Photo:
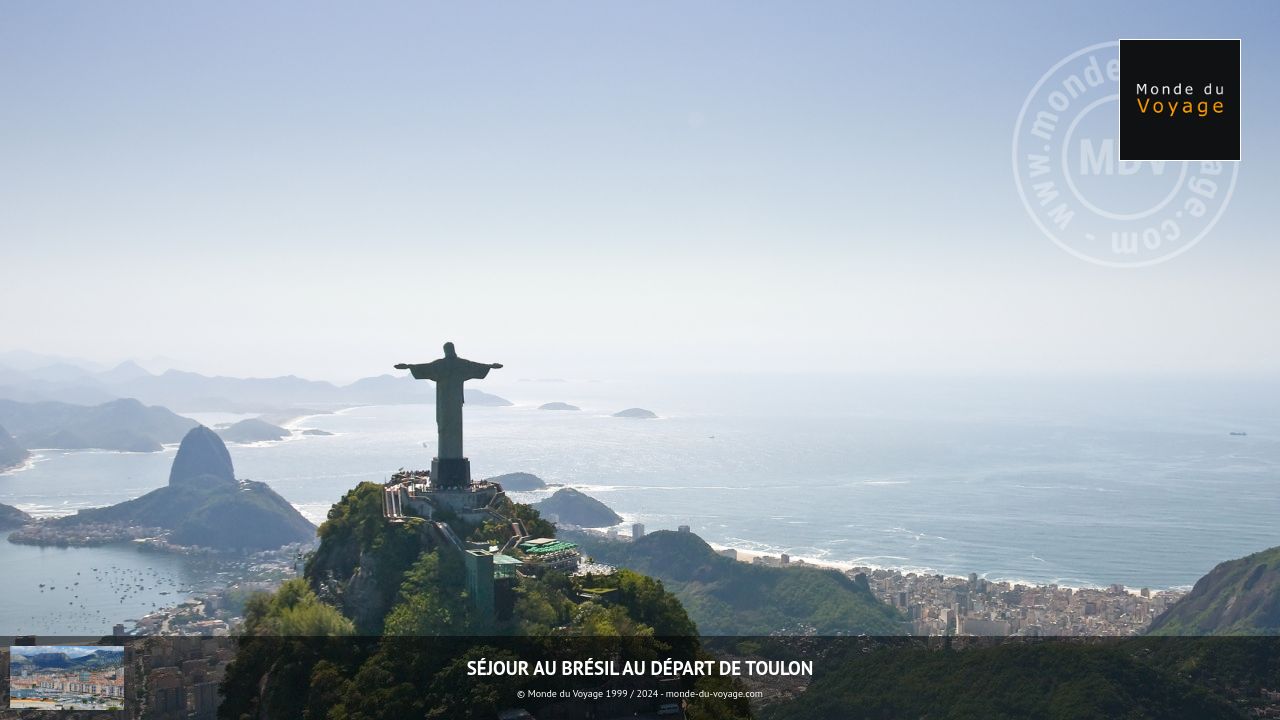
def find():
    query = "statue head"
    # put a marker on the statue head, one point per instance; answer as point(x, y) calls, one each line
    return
point(449, 351)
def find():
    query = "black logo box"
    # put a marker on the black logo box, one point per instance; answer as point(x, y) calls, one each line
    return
point(1210, 132)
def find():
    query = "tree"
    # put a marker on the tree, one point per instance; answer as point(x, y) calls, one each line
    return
point(455, 694)
point(294, 611)
point(432, 599)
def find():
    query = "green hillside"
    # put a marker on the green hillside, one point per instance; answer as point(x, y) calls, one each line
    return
point(728, 597)
point(578, 508)
point(382, 627)
point(1238, 597)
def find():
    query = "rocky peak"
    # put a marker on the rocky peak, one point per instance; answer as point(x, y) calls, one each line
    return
point(202, 459)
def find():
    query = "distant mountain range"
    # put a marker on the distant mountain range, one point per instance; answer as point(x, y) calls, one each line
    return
point(193, 392)
point(115, 425)
point(73, 407)
point(203, 505)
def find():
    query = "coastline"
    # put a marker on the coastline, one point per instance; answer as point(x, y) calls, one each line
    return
point(292, 421)
point(312, 512)
point(747, 549)
point(749, 556)
point(936, 604)
point(27, 463)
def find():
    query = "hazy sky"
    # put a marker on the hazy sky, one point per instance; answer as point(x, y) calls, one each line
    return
point(326, 189)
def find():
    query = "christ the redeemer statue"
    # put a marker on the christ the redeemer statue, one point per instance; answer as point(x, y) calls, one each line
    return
point(450, 468)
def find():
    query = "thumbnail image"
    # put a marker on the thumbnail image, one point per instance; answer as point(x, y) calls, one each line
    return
point(66, 677)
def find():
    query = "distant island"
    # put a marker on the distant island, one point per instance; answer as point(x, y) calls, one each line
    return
point(639, 413)
point(519, 481)
point(11, 453)
point(11, 517)
point(558, 406)
point(203, 506)
point(317, 432)
point(253, 430)
point(124, 424)
point(577, 508)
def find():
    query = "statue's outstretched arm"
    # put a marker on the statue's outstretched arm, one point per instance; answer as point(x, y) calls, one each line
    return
point(402, 366)
point(495, 366)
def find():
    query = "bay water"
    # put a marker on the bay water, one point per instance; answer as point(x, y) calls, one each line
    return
point(1081, 481)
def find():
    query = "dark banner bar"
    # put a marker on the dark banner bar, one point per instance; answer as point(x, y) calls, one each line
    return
point(559, 678)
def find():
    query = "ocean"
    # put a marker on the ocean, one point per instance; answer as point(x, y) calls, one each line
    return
point(1083, 482)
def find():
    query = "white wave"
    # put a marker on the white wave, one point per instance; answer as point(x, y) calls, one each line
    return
point(27, 464)
point(40, 510)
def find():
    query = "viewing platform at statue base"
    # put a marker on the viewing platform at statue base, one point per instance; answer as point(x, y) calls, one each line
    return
point(412, 493)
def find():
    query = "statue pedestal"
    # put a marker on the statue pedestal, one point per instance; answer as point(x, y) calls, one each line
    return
point(450, 472)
